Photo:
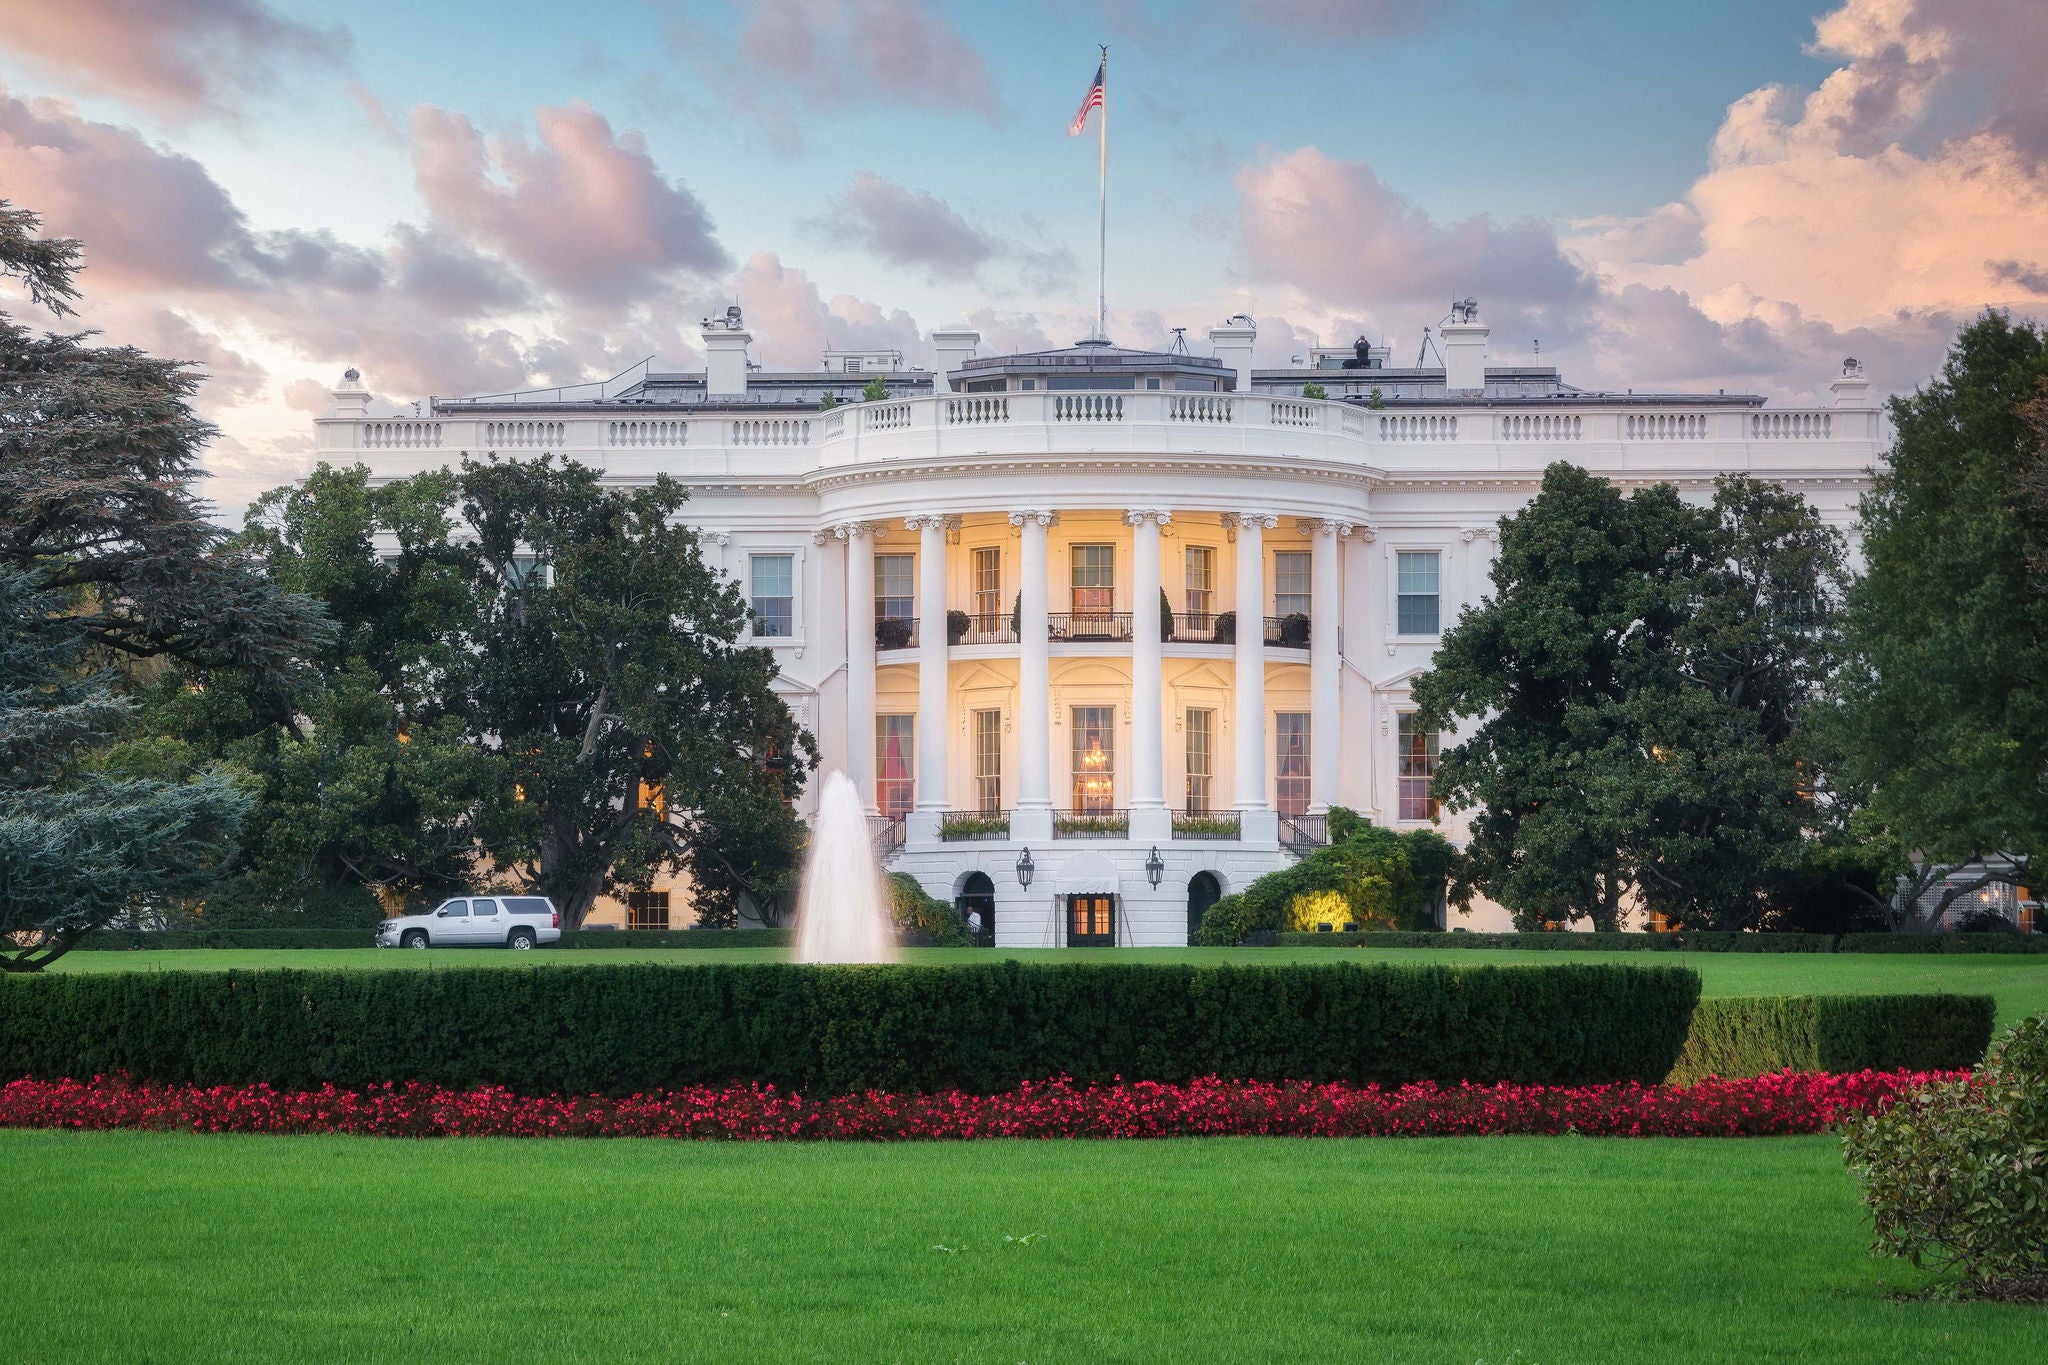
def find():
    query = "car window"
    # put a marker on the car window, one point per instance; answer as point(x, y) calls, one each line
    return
point(453, 910)
point(483, 907)
point(526, 905)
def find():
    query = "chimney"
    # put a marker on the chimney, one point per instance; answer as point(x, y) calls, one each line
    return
point(351, 398)
point(955, 346)
point(1464, 343)
point(725, 355)
point(1232, 341)
point(1852, 390)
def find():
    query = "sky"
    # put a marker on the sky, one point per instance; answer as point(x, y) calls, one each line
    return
point(474, 198)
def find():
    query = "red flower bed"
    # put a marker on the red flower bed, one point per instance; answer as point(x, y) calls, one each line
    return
point(1765, 1106)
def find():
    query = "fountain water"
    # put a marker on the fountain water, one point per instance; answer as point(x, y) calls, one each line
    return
point(842, 911)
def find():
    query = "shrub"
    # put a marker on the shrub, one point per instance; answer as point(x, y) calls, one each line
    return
point(124, 940)
point(1371, 876)
point(922, 917)
point(637, 1027)
point(957, 622)
point(1754, 1036)
point(1941, 943)
point(1571, 942)
point(677, 938)
point(1956, 1172)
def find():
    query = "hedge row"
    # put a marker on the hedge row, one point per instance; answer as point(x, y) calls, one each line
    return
point(1699, 942)
point(1734, 1036)
point(676, 938)
point(626, 1028)
point(121, 940)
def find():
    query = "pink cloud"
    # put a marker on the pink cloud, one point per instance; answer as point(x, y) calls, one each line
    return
point(178, 58)
point(793, 323)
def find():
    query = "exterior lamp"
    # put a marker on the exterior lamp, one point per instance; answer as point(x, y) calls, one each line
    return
point(1025, 867)
point(1155, 866)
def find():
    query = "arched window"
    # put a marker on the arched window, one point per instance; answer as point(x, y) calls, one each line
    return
point(1204, 890)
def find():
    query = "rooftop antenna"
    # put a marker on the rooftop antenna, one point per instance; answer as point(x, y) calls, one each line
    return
point(1180, 341)
point(1427, 346)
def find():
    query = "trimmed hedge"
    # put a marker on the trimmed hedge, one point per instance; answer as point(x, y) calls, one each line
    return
point(1734, 1036)
point(675, 938)
point(130, 940)
point(626, 1028)
point(1696, 942)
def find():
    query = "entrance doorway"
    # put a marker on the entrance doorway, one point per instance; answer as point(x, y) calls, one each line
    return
point(977, 905)
point(1091, 921)
point(1203, 891)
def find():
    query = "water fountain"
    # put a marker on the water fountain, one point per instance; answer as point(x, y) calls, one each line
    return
point(842, 911)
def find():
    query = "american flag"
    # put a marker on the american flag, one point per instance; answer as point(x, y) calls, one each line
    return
point(1093, 102)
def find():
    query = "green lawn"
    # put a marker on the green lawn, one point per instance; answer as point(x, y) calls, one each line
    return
point(2020, 982)
point(179, 1247)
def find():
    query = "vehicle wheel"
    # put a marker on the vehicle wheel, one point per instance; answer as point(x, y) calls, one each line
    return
point(521, 939)
point(413, 938)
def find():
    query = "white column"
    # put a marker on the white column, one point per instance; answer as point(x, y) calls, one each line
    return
point(1149, 821)
point(932, 692)
point(1325, 733)
point(1032, 819)
point(1250, 682)
point(860, 657)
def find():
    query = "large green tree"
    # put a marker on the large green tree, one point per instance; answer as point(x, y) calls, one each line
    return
point(110, 568)
point(1942, 699)
point(1638, 680)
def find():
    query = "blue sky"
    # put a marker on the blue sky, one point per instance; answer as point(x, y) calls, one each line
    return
point(458, 196)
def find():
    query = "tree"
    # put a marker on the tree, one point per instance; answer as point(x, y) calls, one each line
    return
point(109, 568)
point(1941, 716)
point(642, 735)
point(1314, 391)
point(874, 391)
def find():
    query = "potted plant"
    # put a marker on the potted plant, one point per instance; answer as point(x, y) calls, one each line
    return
point(1165, 616)
point(1294, 629)
point(957, 623)
point(892, 632)
point(1226, 628)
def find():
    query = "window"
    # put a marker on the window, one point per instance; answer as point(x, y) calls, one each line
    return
point(1094, 578)
point(1290, 762)
point(988, 589)
point(895, 763)
point(1201, 582)
point(652, 797)
point(483, 908)
point(1416, 577)
point(1094, 758)
point(895, 587)
point(771, 583)
point(1200, 728)
point(988, 761)
point(1416, 758)
point(1291, 583)
point(647, 909)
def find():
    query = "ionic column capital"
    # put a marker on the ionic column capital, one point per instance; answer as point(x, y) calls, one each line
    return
point(931, 521)
point(720, 538)
point(1248, 521)
point(1137, 516)
point(1473, 533)
point(1042, 517)
point(848, 530)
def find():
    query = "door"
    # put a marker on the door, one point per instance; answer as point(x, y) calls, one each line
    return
point(451, 923)
point(1203, 891)
point(977, 905)
point(486, 925)
point(1091, 921)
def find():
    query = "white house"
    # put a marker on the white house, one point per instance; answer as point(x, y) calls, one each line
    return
point(1101, 633)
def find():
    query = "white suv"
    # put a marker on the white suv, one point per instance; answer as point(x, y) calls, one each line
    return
point(476, 922)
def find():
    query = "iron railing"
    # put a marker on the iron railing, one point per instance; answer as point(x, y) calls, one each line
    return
point(1091, 824)
point(886, 832)
point(1208, 824)
point(1088, 625)
point(1303, 834)
point(960, 826)
point(896, 632)
point(1287, 632)
point(990, 628)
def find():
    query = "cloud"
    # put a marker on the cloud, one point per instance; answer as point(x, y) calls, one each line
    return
point(916, 229)
point(585, 211)
point(793, 324)
point(2028, 276)
point(181, 59)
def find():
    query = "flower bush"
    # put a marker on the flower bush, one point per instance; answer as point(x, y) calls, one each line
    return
point(1764, 1106)
point(1956, 1172)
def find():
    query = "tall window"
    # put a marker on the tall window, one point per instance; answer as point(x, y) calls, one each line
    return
point(647, 909)
point(988, 760)
point(1201, 581)
point(895, 763)
point(895, 587)
point(1417, 769)
point(988, 588)
point(1094, 758)
point(1291, 577)
point(771, 584)
point(1200, 728)
point(1290, 762)
point(1094, 579)
point(1415, 586)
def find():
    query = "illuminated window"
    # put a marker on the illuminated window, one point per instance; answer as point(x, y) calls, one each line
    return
point(1291, 580)
point(1094, 758)
point(1416, 758)
point(1290, 762)
point(988, 760)
point(1417, 575)
point(1091, 921)
point(1201, 582)
point(895, 587)
point(653, 797)
point(988, 589)
point(647, 909)
point(771, 586)
point(1094, 581)
point(1201, 735)
point(895, 763)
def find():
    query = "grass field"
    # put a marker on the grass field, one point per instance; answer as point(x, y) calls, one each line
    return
point(2020, 982)
point(177, 1247)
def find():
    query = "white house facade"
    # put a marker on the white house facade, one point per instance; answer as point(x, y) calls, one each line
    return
point(1101, 634)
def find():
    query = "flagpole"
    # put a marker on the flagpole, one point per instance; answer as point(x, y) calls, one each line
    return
point(1102, 211)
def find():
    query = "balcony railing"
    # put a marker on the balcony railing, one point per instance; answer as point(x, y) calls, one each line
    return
point(1202, 628)
point(1091, 824)
point(963, 826)
point(1289, 631)
point(1088, 625)
point(991, 628)
point(1303, 834)
point(886, 832)
point(1207, 824)
point(896, 632)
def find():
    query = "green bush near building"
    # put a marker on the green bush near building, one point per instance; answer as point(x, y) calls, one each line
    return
point(1366, 876)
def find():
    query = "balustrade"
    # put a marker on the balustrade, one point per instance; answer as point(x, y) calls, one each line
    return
point(1086, 626)
point(1665, 426)
point(1541, 427)
point(1791, 426)
point(1405, 426)
point(499, 435)
point(1088, 407)
point(972, 412)
point(1198, 407)
point(643, 434)
point(401, 435)
point(884, 416)
point(772, 431)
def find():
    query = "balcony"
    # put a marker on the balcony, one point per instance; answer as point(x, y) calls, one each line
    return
point(1088, 626)
point(1207, 824)
point(895, 632)
point(1091, 824)
point(1287, 632)
point(970, 826)
point(992, 628)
